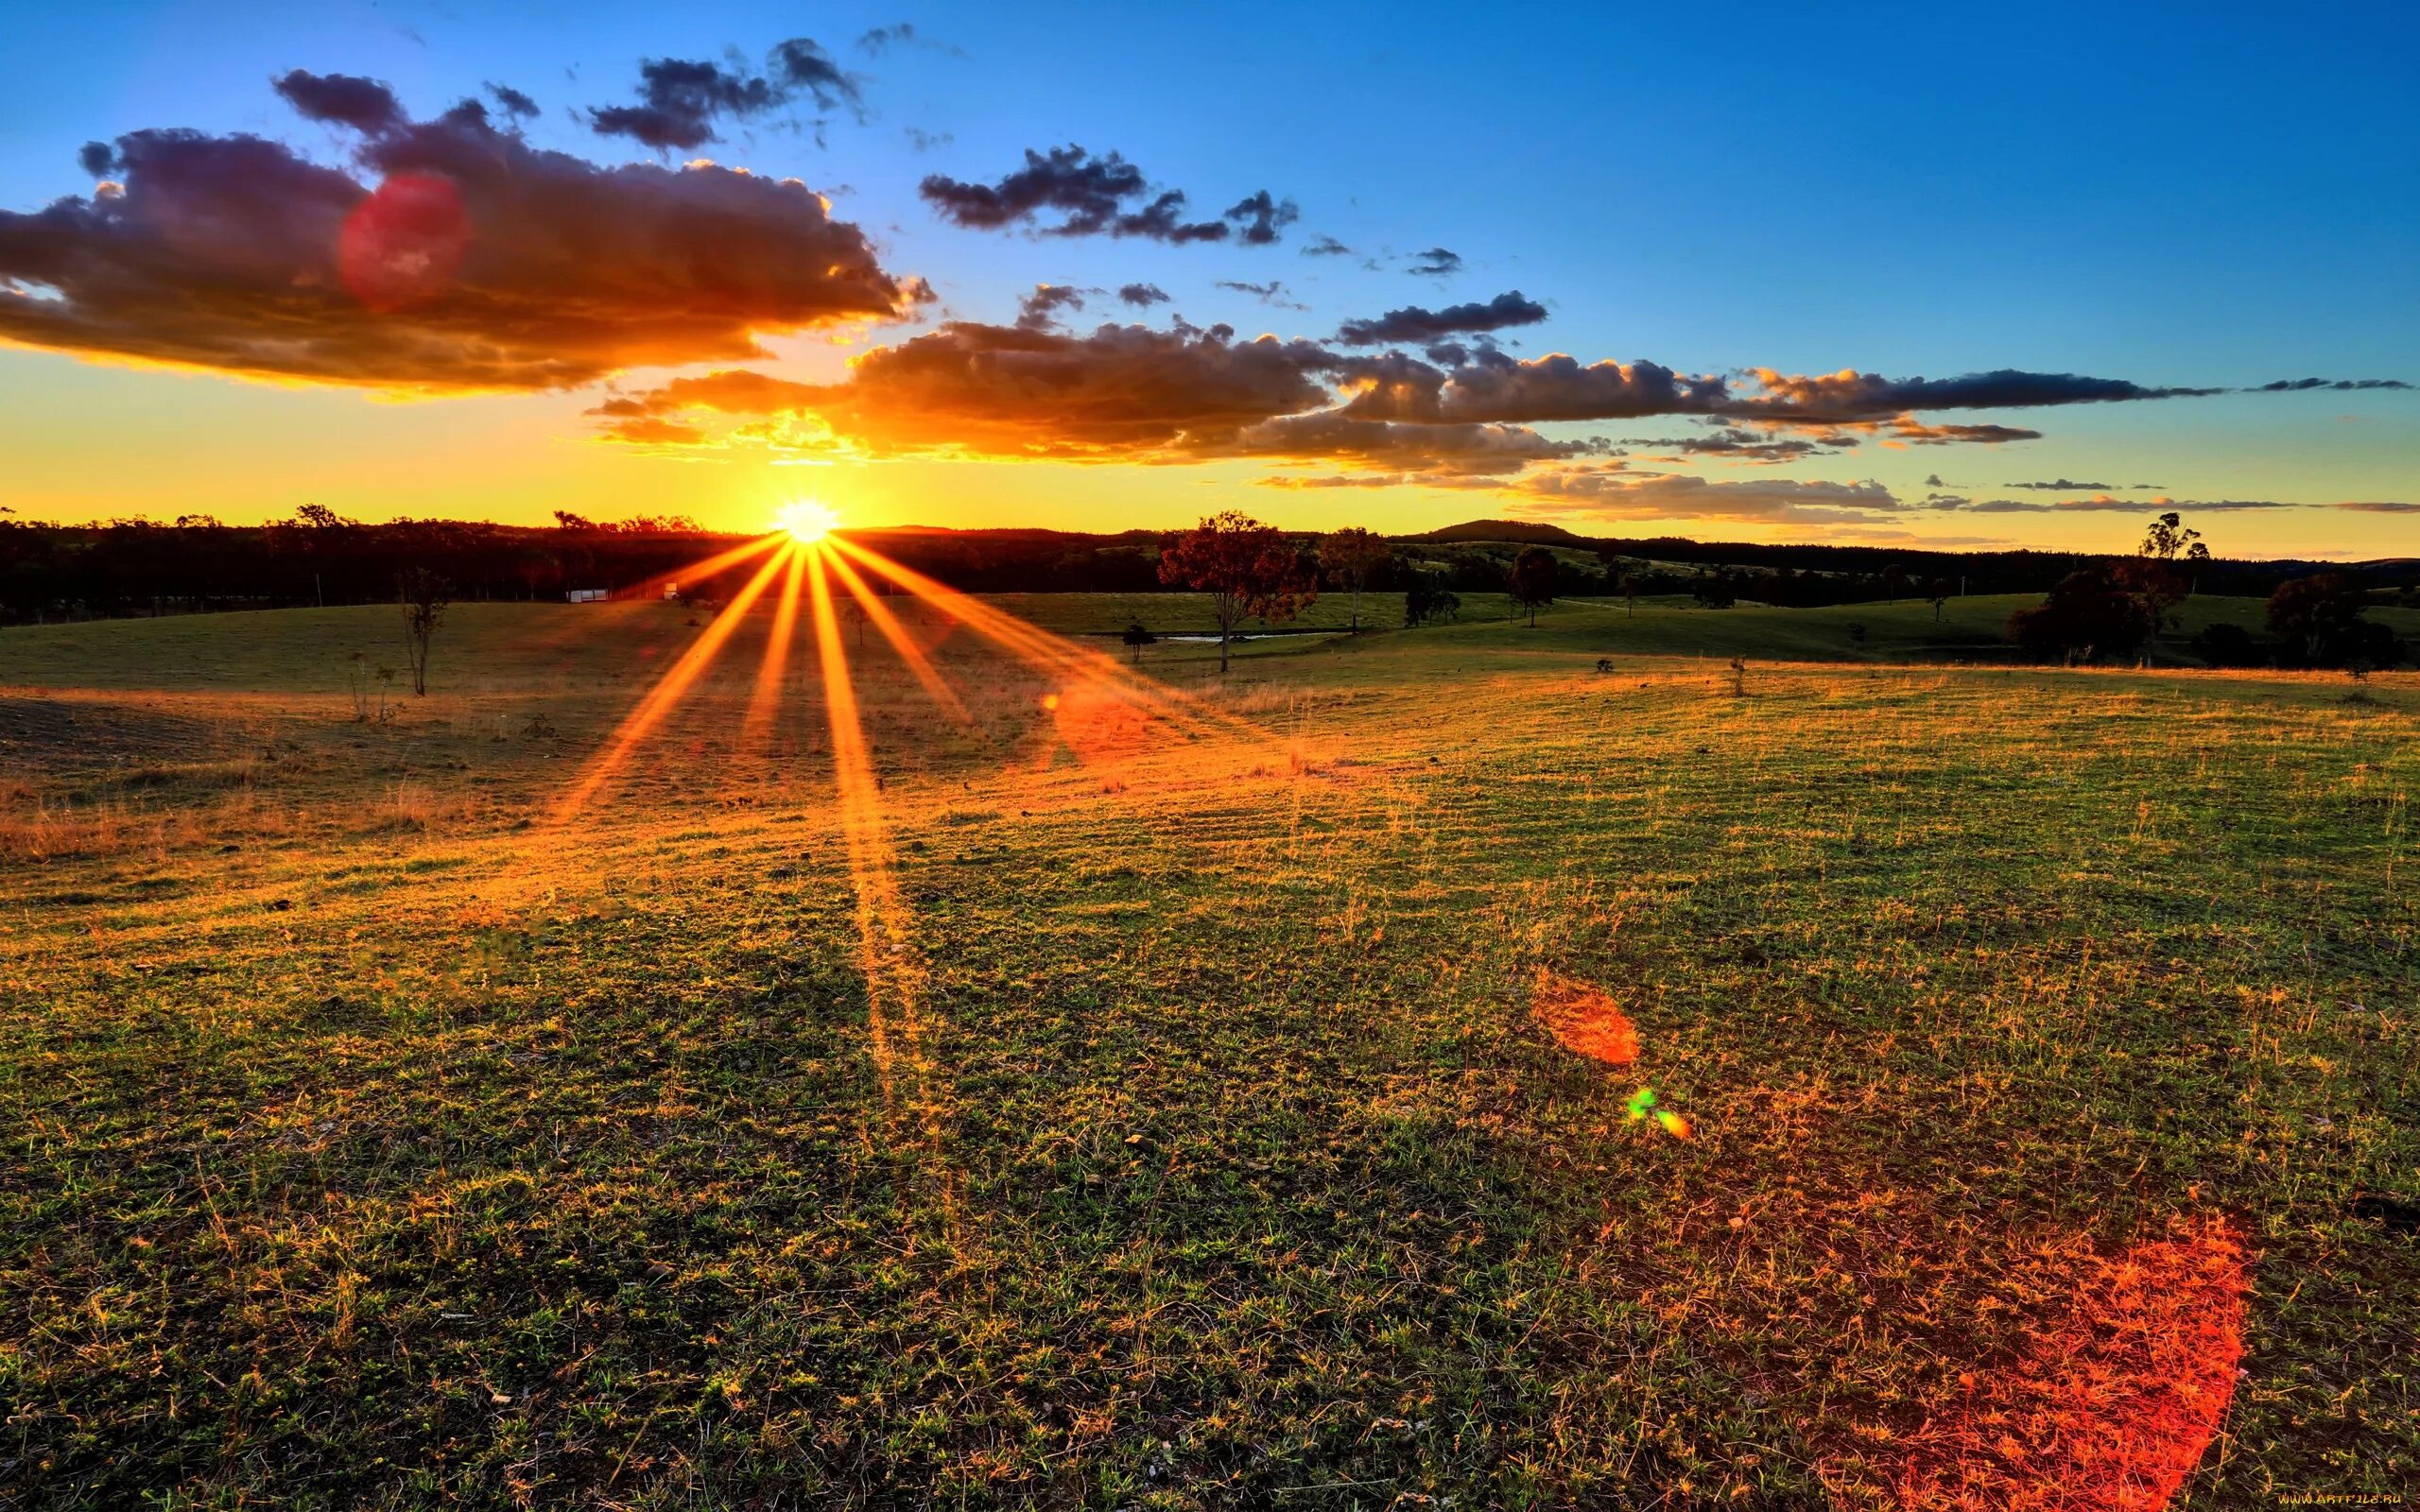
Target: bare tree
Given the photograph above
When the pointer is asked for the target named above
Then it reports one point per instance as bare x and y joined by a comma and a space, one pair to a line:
423, 593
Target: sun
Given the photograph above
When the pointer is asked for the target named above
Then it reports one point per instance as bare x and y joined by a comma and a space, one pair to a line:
805, 521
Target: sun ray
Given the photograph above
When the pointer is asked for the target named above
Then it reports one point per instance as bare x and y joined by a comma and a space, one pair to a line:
775, 665
698, 571
669, 690
1054, 654
887, 959
895, 632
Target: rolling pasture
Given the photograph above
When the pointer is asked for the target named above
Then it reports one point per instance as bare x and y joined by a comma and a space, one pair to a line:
1232, 1110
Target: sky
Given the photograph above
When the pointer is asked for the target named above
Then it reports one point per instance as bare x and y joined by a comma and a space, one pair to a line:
2018, 276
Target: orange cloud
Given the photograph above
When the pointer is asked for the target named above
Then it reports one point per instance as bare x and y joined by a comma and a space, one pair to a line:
481, 263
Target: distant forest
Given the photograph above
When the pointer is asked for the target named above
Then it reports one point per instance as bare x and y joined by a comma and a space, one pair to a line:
118, 568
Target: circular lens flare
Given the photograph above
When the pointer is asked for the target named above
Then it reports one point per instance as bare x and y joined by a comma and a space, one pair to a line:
805, 521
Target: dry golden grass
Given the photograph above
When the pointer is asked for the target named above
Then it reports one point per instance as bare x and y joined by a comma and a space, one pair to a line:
376, 1139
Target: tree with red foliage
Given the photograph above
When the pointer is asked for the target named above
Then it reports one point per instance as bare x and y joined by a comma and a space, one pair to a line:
1246, 567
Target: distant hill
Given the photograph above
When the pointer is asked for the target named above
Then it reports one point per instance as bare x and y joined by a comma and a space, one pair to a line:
1526, 532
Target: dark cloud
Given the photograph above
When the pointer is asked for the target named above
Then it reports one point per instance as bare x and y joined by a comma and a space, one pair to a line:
1326, 247
1330, 436
2110, 503
1090, 194
1271, 292
1143, 296
97, 159
682, 102
2062, 486
1039, 310
514, 101
1437, 263
880, 40
1163, 220
1850, 395
1118, 393
1906, 430
481, 262
1495, 386
1258, 219
1750, 446
1553, 388
1411, 323
1609, 491
2285, 386
800, 64
341, 99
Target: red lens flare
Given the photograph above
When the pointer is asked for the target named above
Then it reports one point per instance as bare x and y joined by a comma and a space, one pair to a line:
402, 243
2115, 1399
1585, 1019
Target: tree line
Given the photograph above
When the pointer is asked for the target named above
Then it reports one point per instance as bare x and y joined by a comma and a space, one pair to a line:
2096, 606
2119, 612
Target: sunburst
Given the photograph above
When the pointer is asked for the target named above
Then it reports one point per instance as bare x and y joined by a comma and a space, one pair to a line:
805, 521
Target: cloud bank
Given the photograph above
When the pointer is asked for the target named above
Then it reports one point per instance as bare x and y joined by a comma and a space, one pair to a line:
454, 256
1097, 196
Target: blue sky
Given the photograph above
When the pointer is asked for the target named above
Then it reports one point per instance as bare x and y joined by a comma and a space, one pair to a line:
2191, 197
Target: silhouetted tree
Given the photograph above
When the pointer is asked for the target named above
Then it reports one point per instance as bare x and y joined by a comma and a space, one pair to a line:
1531, 582
1246, 567
1136, 638
1714, 589
2168, 537
2319, 622
1628, 588
1349, 557
1426, 599
2086, 615
1938, 593
423, 594
2153, 575
2224, 644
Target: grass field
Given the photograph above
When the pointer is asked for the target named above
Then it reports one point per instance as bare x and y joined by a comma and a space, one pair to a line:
377, 1138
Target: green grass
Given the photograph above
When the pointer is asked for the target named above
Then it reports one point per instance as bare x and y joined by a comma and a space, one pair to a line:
370, 1142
